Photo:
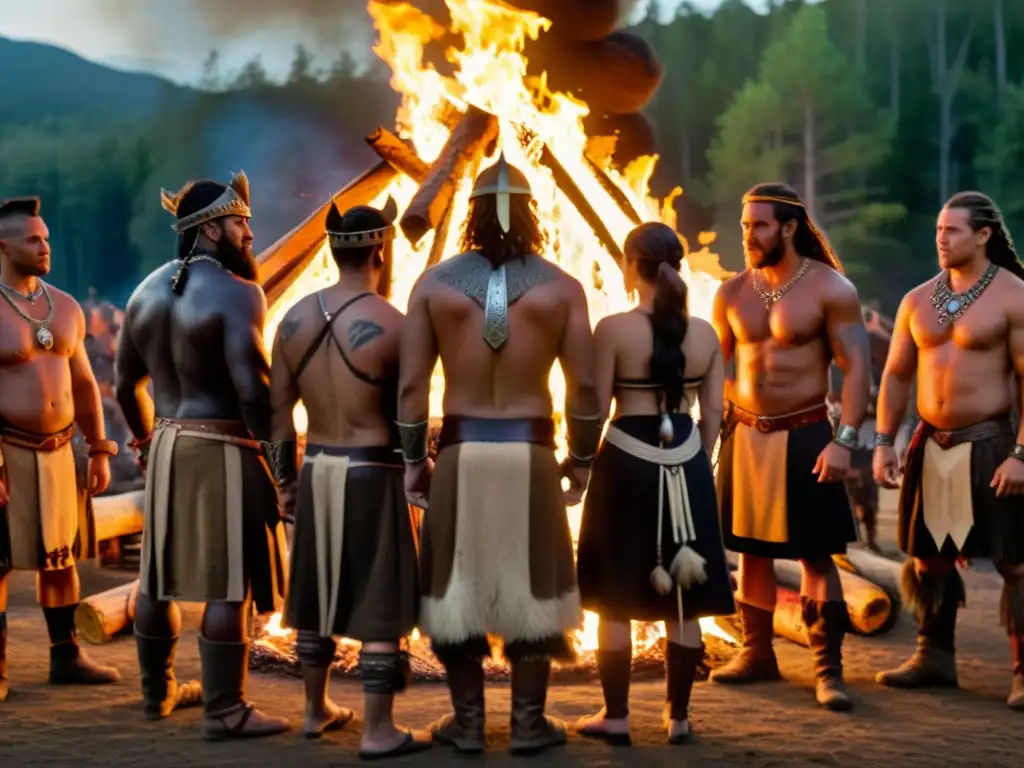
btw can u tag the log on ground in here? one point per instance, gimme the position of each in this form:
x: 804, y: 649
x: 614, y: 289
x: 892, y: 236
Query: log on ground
x: 875, y: 568
x: 118, y: 515
x: 472, y: 139
x: 789, y: 620
x: 870, y: 609
x: 100, y: 617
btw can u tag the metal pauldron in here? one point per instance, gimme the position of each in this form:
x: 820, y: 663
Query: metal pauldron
x: 413, y: 439
x: 282, y: 459
x: 583, y: 434
x: 846, y: 436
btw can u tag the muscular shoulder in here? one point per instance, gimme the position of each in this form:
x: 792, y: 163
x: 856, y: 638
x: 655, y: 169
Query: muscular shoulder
x: 237, y: 297
x: 701, y: 331
x: 834, y: 287
x: 64, y: 302
x: 1011, y: 288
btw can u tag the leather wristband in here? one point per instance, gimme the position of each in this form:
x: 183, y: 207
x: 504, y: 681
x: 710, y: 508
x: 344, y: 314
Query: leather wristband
x: 1017, y: 452
x: 103, y: 447
x: 583, y: 434
x: 846, y: 436
x: 884, y: 440
x: 413, y: 439
x: 281, y: 458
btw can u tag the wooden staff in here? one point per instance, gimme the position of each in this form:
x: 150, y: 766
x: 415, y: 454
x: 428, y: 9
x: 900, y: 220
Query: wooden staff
x: 99, y: 617
x: 398, y: 154
x: 468, y: 143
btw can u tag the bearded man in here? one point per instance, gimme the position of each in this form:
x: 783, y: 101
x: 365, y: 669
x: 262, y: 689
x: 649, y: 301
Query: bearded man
x: 782, y: 323
x: 212, y: 529
x: 47, y: 387
x: 353, y: 559
x: 961, y: 335
x: 496, y: 552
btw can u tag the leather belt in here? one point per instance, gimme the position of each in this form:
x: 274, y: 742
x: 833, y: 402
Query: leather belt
x: 35, y: 441
x: 782, y: 422
x: 222, y: 430
x: 468, y: 429
x: 984, y: 430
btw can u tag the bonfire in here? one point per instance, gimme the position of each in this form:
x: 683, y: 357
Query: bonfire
x: 449, y: 127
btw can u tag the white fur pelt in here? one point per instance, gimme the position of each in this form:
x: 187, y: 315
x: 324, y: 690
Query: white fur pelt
x: 489, y: 590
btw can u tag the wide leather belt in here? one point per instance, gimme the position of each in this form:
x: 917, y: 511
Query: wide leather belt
x: 467, y: 429
x: 984, y: 430
x: 223, y: 430
x: 780, y: 423
x: 36, y: 441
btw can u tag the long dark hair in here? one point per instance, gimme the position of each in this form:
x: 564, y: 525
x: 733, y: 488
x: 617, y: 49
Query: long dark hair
x: 658, y: 253
x: 787, y: 205
x: 983, y: 212
x: 482, y: 231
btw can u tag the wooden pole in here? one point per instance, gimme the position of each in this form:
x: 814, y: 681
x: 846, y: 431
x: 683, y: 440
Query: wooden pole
x: 398, y: 154
x: 467, y: 144
x: 614, y: 192
x: 118, y: 514
x: 99, y: 617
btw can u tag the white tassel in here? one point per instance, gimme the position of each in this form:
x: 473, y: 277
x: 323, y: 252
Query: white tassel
x: 661, y: 581
x: 688, y: 568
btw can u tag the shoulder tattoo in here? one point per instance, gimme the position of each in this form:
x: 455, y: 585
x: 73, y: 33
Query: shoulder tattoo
x: 362, y: 332
x: 288, y: 328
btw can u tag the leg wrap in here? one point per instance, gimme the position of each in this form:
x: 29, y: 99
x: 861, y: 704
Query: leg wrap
x: 60, y: 623
x: 314, y: 650
x: 1011, y: 607
x: 385, y: 673
x: 935, y: 599
x: 680, y: 670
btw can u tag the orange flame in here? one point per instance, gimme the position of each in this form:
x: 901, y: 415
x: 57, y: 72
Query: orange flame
x: 490, y: 73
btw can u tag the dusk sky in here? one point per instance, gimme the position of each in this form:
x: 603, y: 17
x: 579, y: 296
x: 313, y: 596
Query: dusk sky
x: 171, y: 39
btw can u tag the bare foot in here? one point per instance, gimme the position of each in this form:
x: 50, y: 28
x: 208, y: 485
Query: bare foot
x: 599, y: 726
x: 330, y: 718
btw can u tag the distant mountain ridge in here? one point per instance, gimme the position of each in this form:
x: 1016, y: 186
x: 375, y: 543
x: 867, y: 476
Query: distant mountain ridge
x: 45, y: 81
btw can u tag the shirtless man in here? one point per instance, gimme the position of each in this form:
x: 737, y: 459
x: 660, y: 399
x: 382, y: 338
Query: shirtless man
x: 48, y: 386
x: 781, y: 324
x: 213, y: 531
x: 496, y: 553
x: 353, y: 558
x: 961, y: 334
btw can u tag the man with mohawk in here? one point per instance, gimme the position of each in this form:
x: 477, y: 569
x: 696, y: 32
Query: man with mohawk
x: 212, y: 528
x: 496, y: 552
x: 353, y: 559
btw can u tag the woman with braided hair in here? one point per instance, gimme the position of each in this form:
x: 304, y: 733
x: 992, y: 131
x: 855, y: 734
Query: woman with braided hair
x: 960, y: 335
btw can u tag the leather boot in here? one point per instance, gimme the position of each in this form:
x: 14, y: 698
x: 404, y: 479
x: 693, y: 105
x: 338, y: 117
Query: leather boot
x: 532, y: 730
x: 161, y: 693
x: 826, y: 623
x: 464, y: 728
x: 69, y: 664
x: 1016, y: 698
x: 934, y: 661
x: 228, y: 714
x: 3, y: 656
x: 680, y: 670
x: 615, y: 669
x: 756, y: 661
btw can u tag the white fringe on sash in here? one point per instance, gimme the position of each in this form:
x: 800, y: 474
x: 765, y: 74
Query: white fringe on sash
x: 688, y: 567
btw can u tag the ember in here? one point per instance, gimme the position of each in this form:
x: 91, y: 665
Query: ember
x: 448, y: 128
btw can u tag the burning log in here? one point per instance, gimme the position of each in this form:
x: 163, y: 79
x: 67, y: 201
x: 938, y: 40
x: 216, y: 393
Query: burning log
x: 284, y: 262
x: 440, y: 237
x: 580, y: 202
x: 869, y: 606
x: 468, y: 143
x: 118, y: 514
x: 614, y: 192
x: 398, y: 154
x: 99, y: 617
x: 618, y: 74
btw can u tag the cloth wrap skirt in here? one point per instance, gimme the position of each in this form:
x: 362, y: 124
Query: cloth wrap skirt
x: 496, y: 553
x: 619, y: 532
x: 772, y: 505
x: 212, y: 527
x: 353, y: 558
x: 947, y: 506
x: 47, y: 525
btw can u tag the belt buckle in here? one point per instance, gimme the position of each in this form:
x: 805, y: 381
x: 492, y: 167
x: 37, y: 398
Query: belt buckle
x: 765, y: 424
x: 943, y: 438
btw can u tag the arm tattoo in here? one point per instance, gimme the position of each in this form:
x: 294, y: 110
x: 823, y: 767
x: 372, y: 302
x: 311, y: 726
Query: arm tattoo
x: 855, y: 341
x: 289, y: 327
x: 362, y: 332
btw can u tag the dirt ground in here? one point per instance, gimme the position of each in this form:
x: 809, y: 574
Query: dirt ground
x: 769, y: 725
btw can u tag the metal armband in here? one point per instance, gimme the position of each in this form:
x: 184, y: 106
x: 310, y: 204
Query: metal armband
x: 583, y: 434
x: 846, y: 436
x: 413, y: 439
x: 1017, y: 452
x: 282, y: 459
x: 882, y: 439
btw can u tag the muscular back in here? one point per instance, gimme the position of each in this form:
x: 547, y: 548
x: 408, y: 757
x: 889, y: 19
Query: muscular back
x: 343, y: 408
x: 965, y: 369
x: 203, y: 349
x: 781, y: 357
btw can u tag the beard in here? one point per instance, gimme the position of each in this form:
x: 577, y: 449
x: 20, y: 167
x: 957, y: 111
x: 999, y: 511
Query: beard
x: 240, y: 261
x: 760, y: 258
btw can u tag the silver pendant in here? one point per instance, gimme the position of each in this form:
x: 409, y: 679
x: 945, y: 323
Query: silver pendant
x: 44, y: 337
x: 666, y: 432
x: 496, y: 309
x: 953, y: 306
